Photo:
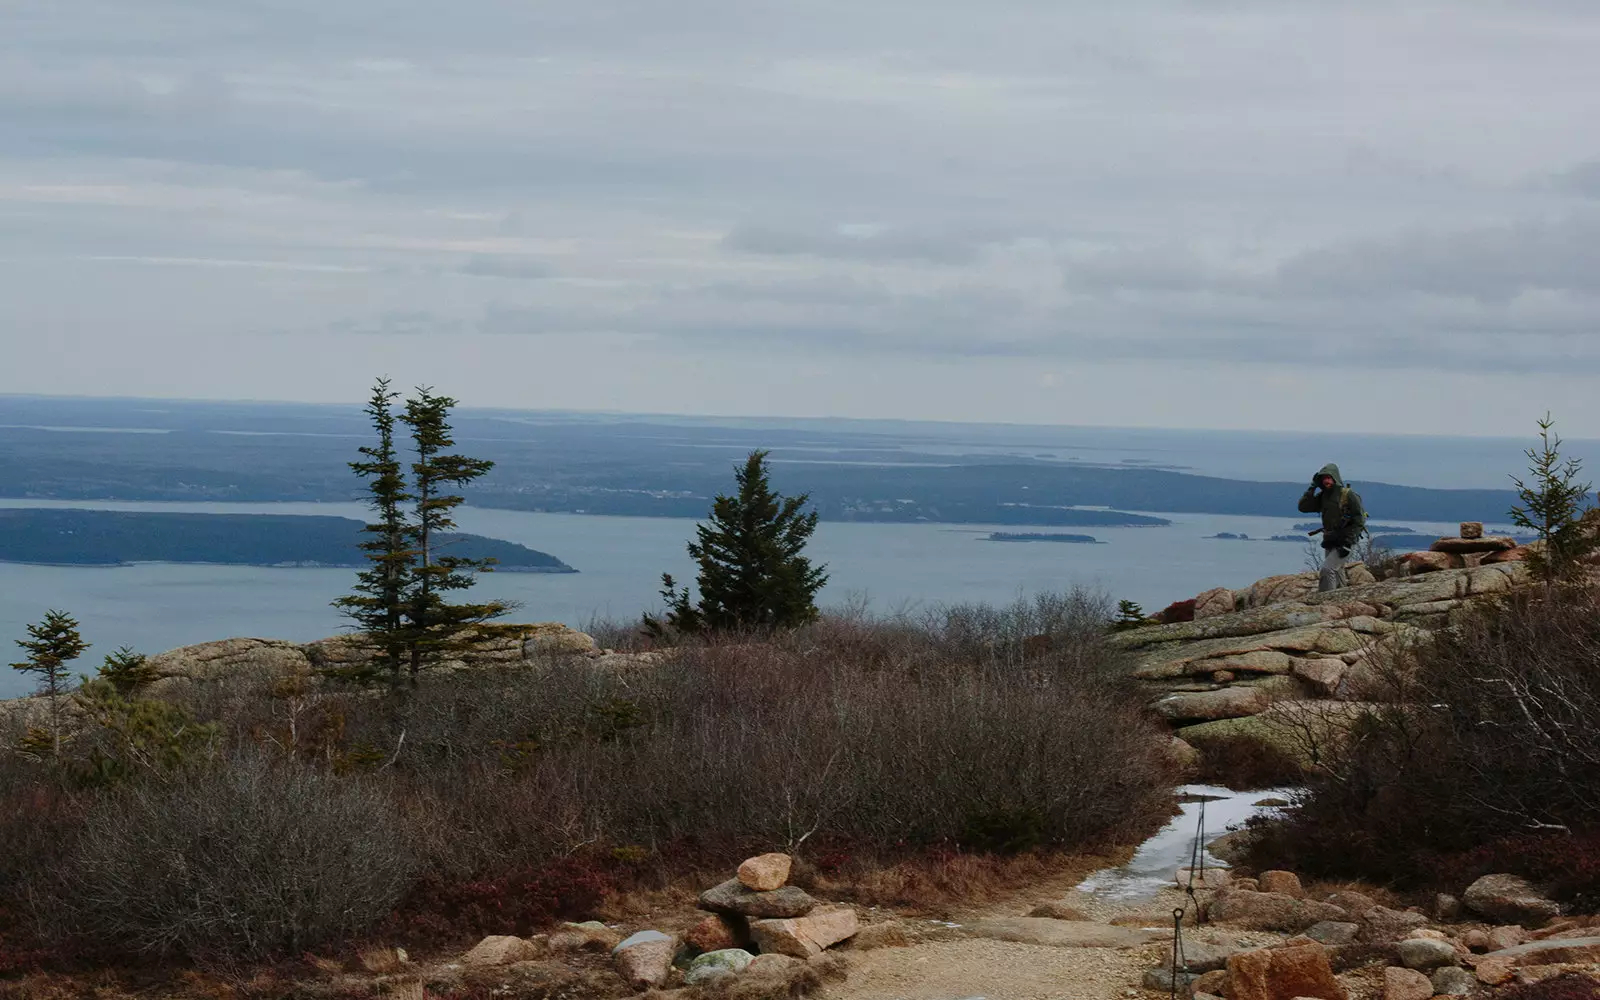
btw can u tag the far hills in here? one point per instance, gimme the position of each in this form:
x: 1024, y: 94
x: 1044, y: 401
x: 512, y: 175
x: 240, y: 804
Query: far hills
x: 64, y: 449
x: 114, y: 538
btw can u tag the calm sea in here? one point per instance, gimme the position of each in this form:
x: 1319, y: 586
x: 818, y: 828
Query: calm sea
x: 157, y: 606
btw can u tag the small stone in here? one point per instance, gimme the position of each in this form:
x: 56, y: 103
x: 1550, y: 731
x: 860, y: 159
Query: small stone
x: 1476, y: 939
x: 500, y: 949
x: 1215, y: 982
x: 1223, y: 677
x: 645, y: 959
x: 1493, y: 971
x: 1471, y: 529
x: 380, y: 961
x: 591, y: 935
x: 1385, y: 926
x: 1453, y: 981
x: 765, y: 872
x: 1425, y: 954
x: 772, y: 965
x: 1507, y: 936
x: 1406, y: 984
x: 718, y: 932
x: 1287, y: 883
x: 1353, y: 903
x: 1333, y: 932
x: 1205, y: 956
x: 733, y: 896
x: 714, y: 964
x: 1446, y: 908
x: 1161, y: 979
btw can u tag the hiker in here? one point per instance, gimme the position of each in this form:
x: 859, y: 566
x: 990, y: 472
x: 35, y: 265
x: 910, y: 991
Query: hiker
x: 1343, y: 522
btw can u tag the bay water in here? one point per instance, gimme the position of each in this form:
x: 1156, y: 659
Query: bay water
x: 890, y: 567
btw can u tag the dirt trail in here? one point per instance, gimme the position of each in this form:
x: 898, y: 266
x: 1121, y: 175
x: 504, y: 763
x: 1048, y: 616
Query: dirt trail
x: 947, y: 966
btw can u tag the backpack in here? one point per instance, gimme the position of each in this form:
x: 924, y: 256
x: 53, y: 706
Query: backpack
x: 1355, y: 515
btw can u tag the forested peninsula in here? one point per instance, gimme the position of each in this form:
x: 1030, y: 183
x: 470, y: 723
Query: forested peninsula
x: 77, y: 537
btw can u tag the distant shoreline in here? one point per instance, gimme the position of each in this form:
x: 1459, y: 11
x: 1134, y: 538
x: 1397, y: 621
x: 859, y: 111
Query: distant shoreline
x: 128, y: 564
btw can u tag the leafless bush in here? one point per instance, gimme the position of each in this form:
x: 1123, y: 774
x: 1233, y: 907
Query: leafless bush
x: 249, y: 858
x: 1488, y: 732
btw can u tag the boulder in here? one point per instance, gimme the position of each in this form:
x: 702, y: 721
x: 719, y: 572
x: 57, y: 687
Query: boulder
x: 1210, y: 878
x: 591, y: 935
x: 1280, y: 973
x: 765, y: 872
x: 1270, y: 911
x: 1385, y: 926
x: 645, y: 959
x: 716, y: 964
x: 1323, y: 673
x: 1453, y: 981
x: 263, y: 661
x: 1224, y: 703
x: 1214, y: 983
x: 1556, y: 951
x: 500, y: 950
x: 1415, y: 563
x: 1464, y: 546
x: 1425, y: 954
x: 733, y: 896
x: 1200, y: 955
x: 1287, y: 883
x: 1510, y: 899
x: 1518, y: 554
x: 1214, y: 602
x: 1333, y: 933
x: 1406, y: 984
x: 772, y: 965
x: 718, y: 932
x: 554, y: 639
x: 1492, y: 971
x: 1186, y: 757
x: 803, y: 937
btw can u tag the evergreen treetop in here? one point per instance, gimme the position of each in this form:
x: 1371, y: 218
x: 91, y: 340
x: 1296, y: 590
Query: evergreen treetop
x: 752, y: 573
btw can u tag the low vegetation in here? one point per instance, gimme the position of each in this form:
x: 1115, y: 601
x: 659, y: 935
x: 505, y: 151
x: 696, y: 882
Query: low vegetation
x: 1487, y: 758
x: 510, y: 799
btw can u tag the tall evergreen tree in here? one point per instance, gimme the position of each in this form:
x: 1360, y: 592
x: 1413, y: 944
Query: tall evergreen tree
x: 51, y: 645
x: 378, y: 607
x: 752, y: 573
x: 1554, y: 501
x: 437, y: 628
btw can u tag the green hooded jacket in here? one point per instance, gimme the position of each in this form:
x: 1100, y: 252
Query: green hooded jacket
x: 1344, y: 520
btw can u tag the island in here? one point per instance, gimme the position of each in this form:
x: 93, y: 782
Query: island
x: 74, y: 537
x: 1031, y: 536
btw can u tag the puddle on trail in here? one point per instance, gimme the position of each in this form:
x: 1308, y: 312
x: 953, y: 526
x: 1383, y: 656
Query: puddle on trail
x: 1157, y: 860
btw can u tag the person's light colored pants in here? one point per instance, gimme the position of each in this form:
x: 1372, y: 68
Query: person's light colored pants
x: 1333, y: 576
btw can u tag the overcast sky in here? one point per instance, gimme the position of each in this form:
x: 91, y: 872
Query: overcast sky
x: 1374, y: 216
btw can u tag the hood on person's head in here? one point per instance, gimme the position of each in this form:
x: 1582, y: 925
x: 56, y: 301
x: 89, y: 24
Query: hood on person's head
x: 1330, y: 470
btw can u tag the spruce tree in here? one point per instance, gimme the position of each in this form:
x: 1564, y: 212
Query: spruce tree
x: 378, y: 607
x: 435, y: 627
x: 1554, y: 501
x: 752, y: 574
x: 51, y: 645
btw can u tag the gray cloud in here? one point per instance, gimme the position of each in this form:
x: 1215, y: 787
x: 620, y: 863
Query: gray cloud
x: 1027, y: 183
x: 502, y: 266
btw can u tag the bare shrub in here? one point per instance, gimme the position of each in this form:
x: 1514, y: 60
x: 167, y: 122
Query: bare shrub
x: 250, y: 858
x: 1489, y: 735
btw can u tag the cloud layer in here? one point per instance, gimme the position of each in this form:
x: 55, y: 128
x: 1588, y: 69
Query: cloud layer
x: 660, y: 200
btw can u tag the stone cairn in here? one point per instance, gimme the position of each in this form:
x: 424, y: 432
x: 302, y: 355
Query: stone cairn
x: 756, y: 925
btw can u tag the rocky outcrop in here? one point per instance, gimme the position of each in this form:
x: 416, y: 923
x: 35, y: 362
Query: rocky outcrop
x: 1510, y: 900
x: 1280, y: 652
